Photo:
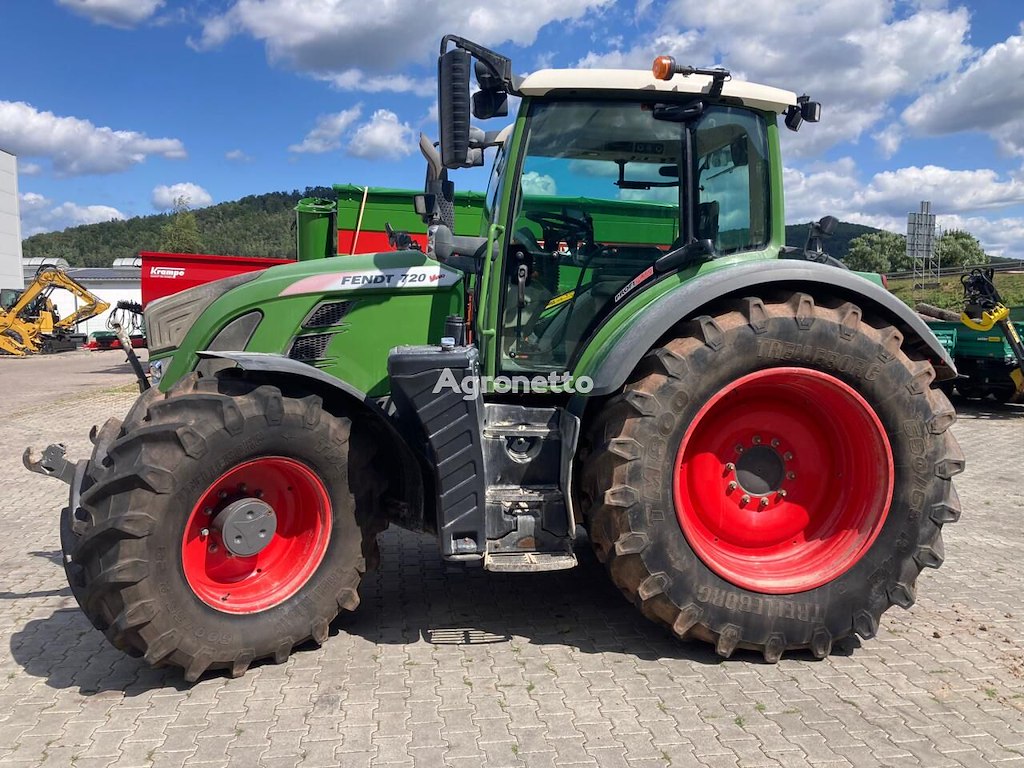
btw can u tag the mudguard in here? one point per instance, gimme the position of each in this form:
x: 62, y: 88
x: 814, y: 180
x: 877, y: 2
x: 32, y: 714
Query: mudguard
x: 406, y: 494
x: 745, y: 279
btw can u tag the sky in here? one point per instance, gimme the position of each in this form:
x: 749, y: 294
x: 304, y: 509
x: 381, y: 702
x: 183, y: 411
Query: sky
x: 115, y: 108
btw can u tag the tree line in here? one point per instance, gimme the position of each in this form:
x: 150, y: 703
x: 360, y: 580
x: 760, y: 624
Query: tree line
x: 256, y: 225
x: 886, y: 252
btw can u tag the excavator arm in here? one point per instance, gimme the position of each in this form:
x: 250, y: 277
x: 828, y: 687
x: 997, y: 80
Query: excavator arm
x: 20, y: 331
x: 92, y: 305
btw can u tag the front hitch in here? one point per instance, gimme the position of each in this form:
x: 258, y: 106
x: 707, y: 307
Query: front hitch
x: 52, y: 463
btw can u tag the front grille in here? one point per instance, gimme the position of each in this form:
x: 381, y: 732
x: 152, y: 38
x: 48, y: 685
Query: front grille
x: 310, y: 347
x: 326, y: 315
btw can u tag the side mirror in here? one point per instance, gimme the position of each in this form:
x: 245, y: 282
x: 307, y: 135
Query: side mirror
x: 490, y: 103
x: 827, y: 225
x: 453, y: 106
x: 424, y: 205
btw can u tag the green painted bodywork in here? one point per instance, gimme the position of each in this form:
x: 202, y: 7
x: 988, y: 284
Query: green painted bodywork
x: 394, y: 206
x: 380, y: 318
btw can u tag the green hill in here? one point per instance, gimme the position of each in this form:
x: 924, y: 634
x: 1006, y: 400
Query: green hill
x: 257, y: 225
x: 837, y: 245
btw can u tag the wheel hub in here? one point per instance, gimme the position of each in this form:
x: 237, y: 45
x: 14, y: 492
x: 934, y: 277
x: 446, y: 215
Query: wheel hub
x: 760, y: 470
x: 246, y: 526
x: 256, y: 535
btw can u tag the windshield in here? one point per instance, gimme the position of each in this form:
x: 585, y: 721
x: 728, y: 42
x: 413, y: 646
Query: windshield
x: 600, y: 200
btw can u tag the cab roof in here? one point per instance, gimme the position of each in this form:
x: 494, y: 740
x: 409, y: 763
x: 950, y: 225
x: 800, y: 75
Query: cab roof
x: 753, y: 95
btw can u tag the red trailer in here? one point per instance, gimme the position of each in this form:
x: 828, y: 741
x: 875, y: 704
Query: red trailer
x: 167, y: 273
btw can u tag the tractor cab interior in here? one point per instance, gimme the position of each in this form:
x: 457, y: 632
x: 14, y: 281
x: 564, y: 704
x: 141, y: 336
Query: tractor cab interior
x: 600, y: 203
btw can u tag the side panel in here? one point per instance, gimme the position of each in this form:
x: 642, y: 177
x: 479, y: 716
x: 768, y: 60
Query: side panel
x: 340, y: 315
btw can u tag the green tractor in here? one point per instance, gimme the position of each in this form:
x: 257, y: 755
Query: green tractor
x: 750, y: 435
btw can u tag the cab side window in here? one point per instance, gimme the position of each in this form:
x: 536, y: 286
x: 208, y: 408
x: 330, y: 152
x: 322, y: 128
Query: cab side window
x: 732, y: 176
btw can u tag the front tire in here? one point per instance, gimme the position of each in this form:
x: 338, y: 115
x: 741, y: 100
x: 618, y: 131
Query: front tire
x: 773, y: 478
x: 224, y: 522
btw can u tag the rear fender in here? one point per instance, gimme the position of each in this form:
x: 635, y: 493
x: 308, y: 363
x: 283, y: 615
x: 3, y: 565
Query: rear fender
x: 404, y: 496
x: 611, y: 372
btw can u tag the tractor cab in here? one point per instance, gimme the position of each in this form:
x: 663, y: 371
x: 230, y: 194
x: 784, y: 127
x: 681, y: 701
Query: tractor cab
x: 607, y: 181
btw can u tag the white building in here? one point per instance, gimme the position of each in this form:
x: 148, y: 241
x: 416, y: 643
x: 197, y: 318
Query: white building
x: 10, y: 224
x: 111, y: 284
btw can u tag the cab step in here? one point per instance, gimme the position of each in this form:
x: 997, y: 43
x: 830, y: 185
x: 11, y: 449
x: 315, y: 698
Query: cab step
x: 522, y: 562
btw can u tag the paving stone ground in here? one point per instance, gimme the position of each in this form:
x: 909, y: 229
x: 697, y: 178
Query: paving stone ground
x: 473, y: 669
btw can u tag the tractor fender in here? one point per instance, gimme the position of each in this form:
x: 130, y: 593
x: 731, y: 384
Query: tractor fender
x: 746, y: 279
x: 404, y: 505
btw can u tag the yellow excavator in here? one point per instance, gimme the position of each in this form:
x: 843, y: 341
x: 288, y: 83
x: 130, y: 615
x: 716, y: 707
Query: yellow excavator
x: 29, y: 321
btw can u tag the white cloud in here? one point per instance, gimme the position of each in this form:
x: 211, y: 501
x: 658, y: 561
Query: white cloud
x: 889, y: 139
x: 855, y: 56
x: 237, y: 156
x: 539, y: 184
x: 333, y: 37
x: 383, y: 137
x: 76, y: 146
x: 115, y: 13
x: 358, y: 80
x: 886, y: 199
x: 326, y: 134
x: 986, y: 97
x: 40, y: 214
x: 29, y: 169
x: 689, y: 46
x: 165, y: 196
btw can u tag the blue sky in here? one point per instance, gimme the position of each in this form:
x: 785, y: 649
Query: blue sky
x: 117, y: 106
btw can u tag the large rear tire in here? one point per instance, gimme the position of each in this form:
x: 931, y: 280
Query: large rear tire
x: 222, y: 523
x: 773, y: 478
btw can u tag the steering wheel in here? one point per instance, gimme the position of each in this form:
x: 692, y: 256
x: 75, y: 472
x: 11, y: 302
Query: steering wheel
x: 563, y: 222
x: 563, y: 226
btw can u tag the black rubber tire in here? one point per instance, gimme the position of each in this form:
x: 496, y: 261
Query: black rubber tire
x: 144, y: 478
x: 626, y: 475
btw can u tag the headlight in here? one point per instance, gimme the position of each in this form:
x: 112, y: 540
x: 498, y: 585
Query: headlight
x: 169, y: 319
x: 156, y: 371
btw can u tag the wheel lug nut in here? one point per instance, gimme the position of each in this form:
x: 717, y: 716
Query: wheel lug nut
x: 782, y: 494
x: 757, y: 440
x: 204, y: 533
x: 775, y: 442
x: 212, y: 548
x: 739, y: 448
x: 787, y: 456
x: 763, y: 502
x: 208, y: 511
x: 223, y: 494
x: 732, y: 486
x: 744, y: 499
x: 730, y: 467
x: 791, y: 475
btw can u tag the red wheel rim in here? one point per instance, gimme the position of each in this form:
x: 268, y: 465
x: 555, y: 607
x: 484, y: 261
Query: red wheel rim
x: 302, y: 509
x: 783, y: 480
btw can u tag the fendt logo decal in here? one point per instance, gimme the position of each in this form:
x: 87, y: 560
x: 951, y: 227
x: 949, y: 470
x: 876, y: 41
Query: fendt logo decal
x: 170, y: 272
x: 400, y: 277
